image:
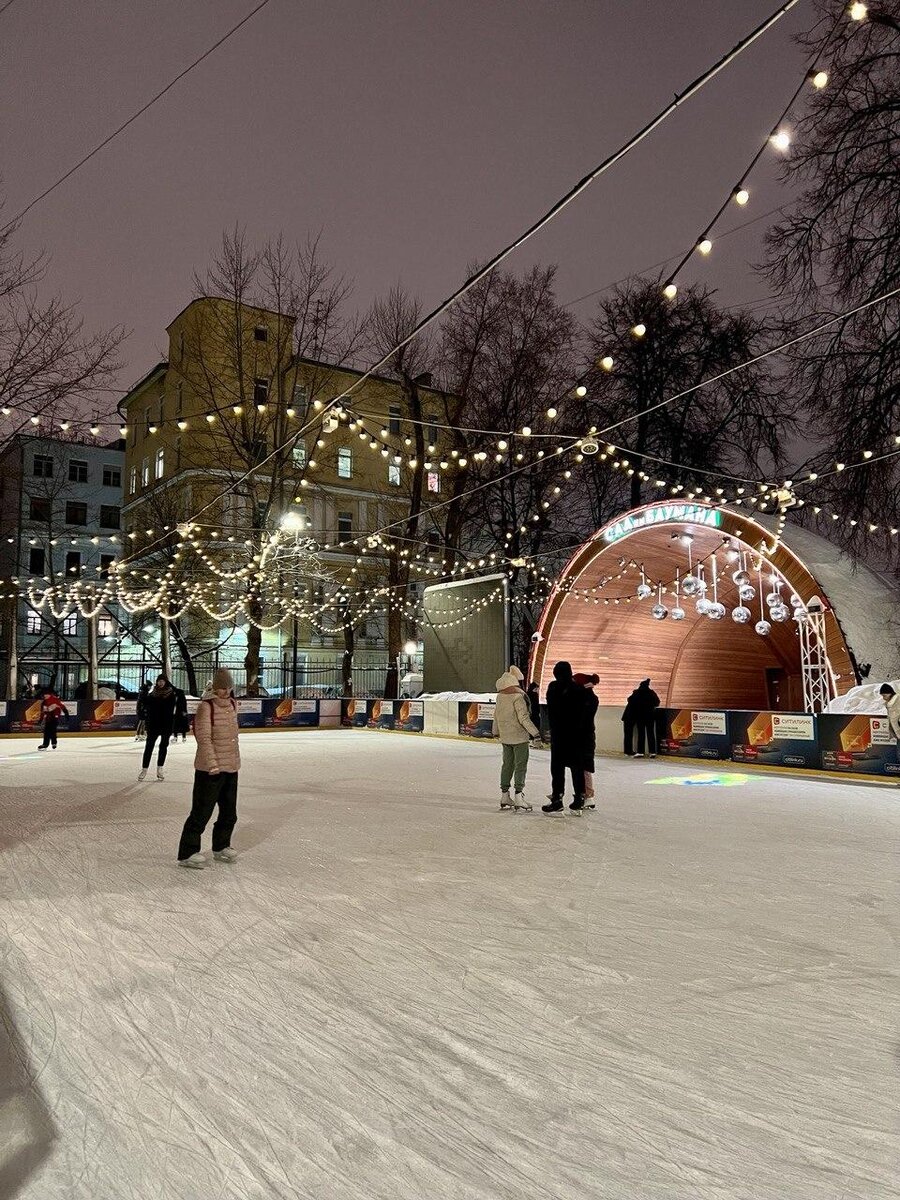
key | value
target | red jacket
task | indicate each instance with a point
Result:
(52, 706)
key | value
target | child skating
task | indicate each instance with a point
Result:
(515, 729)
(52, 708)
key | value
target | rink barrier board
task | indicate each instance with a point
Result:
(120, 716)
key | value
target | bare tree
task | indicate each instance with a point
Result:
(838, 247)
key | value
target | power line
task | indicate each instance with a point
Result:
(134, 116)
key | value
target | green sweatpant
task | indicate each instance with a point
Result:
(515, 762)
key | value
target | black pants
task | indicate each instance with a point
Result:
(210, 790)
(152, 735)
(628, 724)
(646, 729)
(51, 724)
(559, 760)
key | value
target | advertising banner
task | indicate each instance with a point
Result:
(859, 743)
(250, 713)
(291, 714)
(355, 713)
(411, 716)
(383, 714)
(774, 738)
(99, 716)
(694, 733)
(4, 717)
(476, 718)
(24, 716)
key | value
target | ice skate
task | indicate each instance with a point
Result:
(521, 804)
(555, 805)
(577, 804)
(160, 774)
(229, 855)
(43, 747)
(196, 861)
(506, 800)
(142, 774)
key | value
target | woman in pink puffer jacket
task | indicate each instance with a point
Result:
(216, 766)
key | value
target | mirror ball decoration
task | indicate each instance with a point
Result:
(763, 628)
(779, 612)
(691, 586)
(746, 592)
(677, 613)
(796, 602)
(644, 590)
(659, 612)
(741, 615)
(740, 577)
(703, 606)
(800, 615)
(716, 611)
(773, 599)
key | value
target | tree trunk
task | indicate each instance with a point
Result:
(92, 658)
(347, 660)
(12, 672)
(186, 659)
(254, 646)
(395, 597)
(165, 647)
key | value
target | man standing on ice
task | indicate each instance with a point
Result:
(515, 729)
(216, 767)
(567, 716)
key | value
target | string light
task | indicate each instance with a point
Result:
(781, 139)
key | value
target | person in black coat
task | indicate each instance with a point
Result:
(160, 709)
(640, 714)
(567, 716)
(181, 726)
(534, 704)
(589, 682)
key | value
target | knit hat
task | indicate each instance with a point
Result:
(507, 680)
(222, 681)
(514, 670)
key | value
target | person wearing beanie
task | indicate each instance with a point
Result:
(216, 766)
(892, 706)
(589, 682)
(159, 714)
(515, 729)
(567, 715)
(640, 713)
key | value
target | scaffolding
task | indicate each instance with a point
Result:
(818, 678)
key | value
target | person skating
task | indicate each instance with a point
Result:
(892, 705)
(141, 709)
(159, 708)
(52, 708)
(515, 729)
(216, 766)
(589, 682)
(181, 726)
(640, 714)
(534, 703)
(567, 706)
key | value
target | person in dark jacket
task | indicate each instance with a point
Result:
(640, 714)
(589, 682)
(534, 703)
(160, 709)
(52, 708)
(182, 723)
(567, 716)
(141, 709)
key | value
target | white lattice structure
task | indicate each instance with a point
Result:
(819, 685)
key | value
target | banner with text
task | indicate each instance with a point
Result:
(476, 718)
(291, 714)
(694, 733)
(858, 742)
(776, 739)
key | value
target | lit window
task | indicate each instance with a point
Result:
(106, 626)
(160, 462)
(345, 464)
(394, 419)
(132, 481)
(70, 625)
(394, 475)
(33, 622)
(112, 476)
(145, 472)
(43, 466)
(299, 454)
(434, 481)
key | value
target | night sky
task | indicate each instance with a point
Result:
(416, 137)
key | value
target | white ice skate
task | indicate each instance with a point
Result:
(159, 773)
(521, 804)
(506, 800)
(229, 854)
(197, 861)
(142, 774)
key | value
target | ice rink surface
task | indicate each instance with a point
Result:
(400, 992)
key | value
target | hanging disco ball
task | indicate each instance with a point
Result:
(716, 611)
(677, 613)
(774, 598)
(796, 602)
(740, 577)
(779, 612)
(746, 592)
(800, 615)
(691, 586)
(763, 628)
(659, 612)
(644, 590)
(741, 615)
(703, 606)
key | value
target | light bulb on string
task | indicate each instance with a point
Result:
(670, 291)
(704, 246)
(741, 196)
(818, 79)
(639, 330)
(781, 139)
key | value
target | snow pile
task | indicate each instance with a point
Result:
(862, 699)
(484, 697)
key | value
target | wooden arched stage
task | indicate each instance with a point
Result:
(694, 663)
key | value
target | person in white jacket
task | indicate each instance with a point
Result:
(515, 729)
(216, 766)
(892, 704)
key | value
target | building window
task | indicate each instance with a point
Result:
(345, 526)
(106, 561)
(345, 463)
(36, 561)
(76, 512)
(110, 516)
(160, 462)
(33, 622)
(303, 514)
(43, 466)
(73, 563)
(433, 539)
(299, 454)
(39, 509)
(106, 627)
(432, 429)
(259, 451)
(70, 625)
(260, 334)
(301, 395)
(132, 481)
(393, 474)
(394, 419)
(260, 391)
(112, 476)
(78, 471)
(434, 481)
(145, 472)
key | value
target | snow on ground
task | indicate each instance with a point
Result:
(399, 992)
